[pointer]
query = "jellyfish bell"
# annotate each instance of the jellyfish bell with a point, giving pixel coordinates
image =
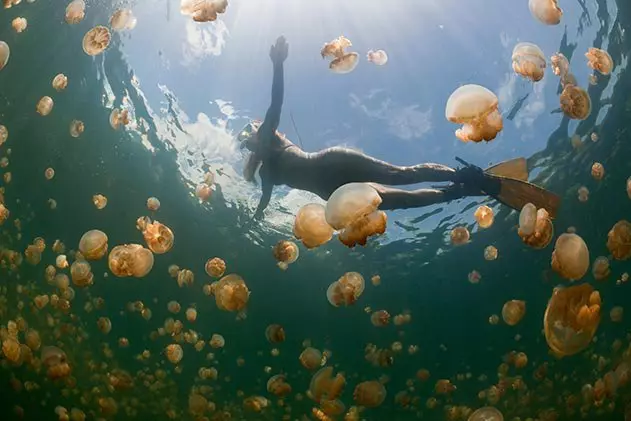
(345, 64)
(122, 20)
(571, 319)
(529, 61)
(310, 358)
(546, 11)
(487, 413)
(159, 237)
(60, 82)
(81, 273)
(369, 394)
(560, 65)
(543, 231)
(324, 384)
(5, 52)
(336, 47)
(459, 236)
(359, 231)
(45, 106)
(513, 311)
(19, 24)
(96, 40)
(311, 227)
(93, 245)
(76, 128)
(278, 386)
(231, 293)
(75, 11)
(378, 57)
(484, 216)
(285, 253)
(130, 260)
(119, 118)
(349, 203)
(619, 240)
(575, 102)
(203, 10)
(570, 257)
(599, 60)
(475, 107)
(527, 219)
(275, 333)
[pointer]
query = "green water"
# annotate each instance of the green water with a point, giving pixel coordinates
(422, 274)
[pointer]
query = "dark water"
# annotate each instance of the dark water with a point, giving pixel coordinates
(449, 315)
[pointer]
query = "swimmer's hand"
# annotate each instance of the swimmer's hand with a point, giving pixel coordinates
(279, 51)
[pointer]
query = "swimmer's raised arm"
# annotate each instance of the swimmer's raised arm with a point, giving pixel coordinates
(278, 54)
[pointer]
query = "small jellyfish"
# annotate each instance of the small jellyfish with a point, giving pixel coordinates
(369, 394)
(278, 386)
(130, 260)
(153, 204)
(598, 171)
(594, 137)
(583, 194)
(100, 201)
(75, 11)
(19, 24)
(345, 64)
(119, 118)
(619, 240)
(93, 245)
(104, 324)
(5, 52)
(4, 134)
(376, 280)
(203, 192)
(203, 10)
(76, 128)
(275, 333)
(285, 253)
(560, 65)
(217, 341)
(159, 237)
(173, 307)
(311, 227)
(378, 57)
(487, 413)
(599, 60)
(96, 40)
(575, 102)
(546, 11)
(484, 216)
(231, 293)
(81, 273)
(490, 253)
(513, 311)
(616, 314)
(60, 82)
(191, 314)
(600, 268)
(380, 318)
(45, 106)
(475, 107)
(459, 236)
(529, 61)
(174, 353)
(570, 257)
(346, 290)
(474, 277)
(310, 358)
(543, 231)
(324, 384)
(215, 267)
(571, 319)
(122, 20)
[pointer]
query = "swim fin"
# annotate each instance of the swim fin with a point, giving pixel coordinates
(513, 168)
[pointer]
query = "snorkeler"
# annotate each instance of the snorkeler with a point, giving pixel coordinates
(283, 163)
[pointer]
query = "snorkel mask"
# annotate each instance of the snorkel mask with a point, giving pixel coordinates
(247, 133)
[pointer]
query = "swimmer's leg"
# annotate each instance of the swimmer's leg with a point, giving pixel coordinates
(405, 199)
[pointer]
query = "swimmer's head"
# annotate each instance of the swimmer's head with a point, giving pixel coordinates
(247, 136)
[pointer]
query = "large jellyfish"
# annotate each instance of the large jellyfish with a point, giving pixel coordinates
(560, 65)
(346, 290)
(513, 311)
(203, 10)
(475, 107)
(5, 52)
(546, 11)
(342, 62)
(323, 384)
(285, 253)
(529, 61)
(599, 60)
(484, 216)
(487, 413)
(93, 245)
(571, 319)
(570, 257)
(575, 102)
(123, 19)
(130, 260)
(619, 240)
(352, 209)
(231, 293)
(369, 394)
(535, 227)
(159, 237)
(311, 227)
(75, 11)
(96, 40)
(336, 48)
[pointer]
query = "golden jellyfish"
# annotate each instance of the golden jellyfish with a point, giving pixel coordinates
(616, 314)
(380, 318)
(49, 173)
(96, 40)
(191, 314)
(203, 192)
(173, 307)
(619, 240)
(104, 324)
(484, 216)
(45, 106)
(369, 394)
(197, 404)
(628, 187)
(278, 386)
(583, 194)
(513, 311)
(571, 319)
(174, 353)
(560, 65)
(76, 128)
(324, 384)
(310, 358)
(231, 293)
(217, 341)
(185, 277)
(600, 268)
(100, 201)
(529, 61)
(346, 290)
(215, 267)
(81, 273)
(570, 257)
(378, 57)
(159, 237)
(107, 406)
(32, 339)
(275, 333)
(475, 107)
(93, 245)
(4, 134)
(11, 349)
(130, 260)
(19, 24)
(122, 20)
(543, 231)
(336, 47)
(575, 102)
(60, 82)
(286, 253)
(311, 227)
(459, 236)
(598, 171)
(203, 10)
(546, 11)
(332, 407)
(119, 118)
(75, 11)
(599, 60)
(352, 208)
(153, 204)
(376, 280)
(255, 403)
(5, 52)
(490, 253)
(487, 413)
(494, 319)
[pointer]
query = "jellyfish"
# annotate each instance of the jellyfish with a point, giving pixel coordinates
(484, 216)
(5, 52)
(96, 40)
(346, 290)
(100, 201)
(583, 194)
(543, 231)
(93, 245)
(380, 318)
(529, 61)
(159, 237)
(203, 10)
(546, 11)
(153, 204)
(310, 358)
(60, 82)
(311, 227)
(345, 64)
(335, 48)
(560, 65)
(513, 311)
(571, 319)
(217, 341)
(81, 273)
(600, 268)
(616, 314)
(104, 324)
(191, 314)
(487, 413)
(174, 353)
(378, 57)
(185, 277)
(275, 333)
(215, 267)
(332, 407)
(570, 257)
(575, 102)
(75, 11)
(123, 19)
(4, 134)
(599, 60)
(130, 260)
(286, 253)
(352, 208)
(231, 293)
(119, 118)
(369, 394)
(203, 192)
(19, 24)
(255, 403)
(619, 240)
(475, 107)
(459, 236)
(76, 128)
(598, 171)
(490, 253)
(324, 384)
(45, 106)
(278, 386)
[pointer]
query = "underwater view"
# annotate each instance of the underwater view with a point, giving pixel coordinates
(331, 210)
